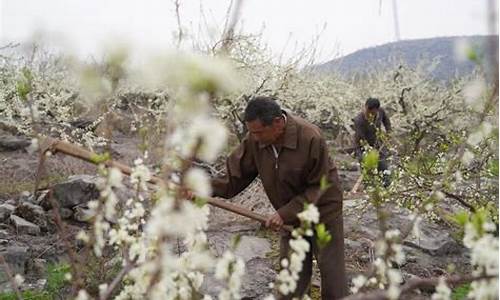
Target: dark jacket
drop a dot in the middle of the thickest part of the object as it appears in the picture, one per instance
(367, 131)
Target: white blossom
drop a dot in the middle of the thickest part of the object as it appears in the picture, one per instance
(462, 48)
(198, 181)
(416, 227)
(140, 175)
(83, 236)
(206, 133)
(33, 147)
(358, 282)
(82, 295)
(489, 227)
(392, 234)
(484, 259)
(115, 177)
(467, 157)
(484, 290)
(311, 214)
(473, 92)
(393, 292)
(398, 256)
(19, 279)
(484, 253)
(429, 206)
(102, 288)
(394, 276)
(299, 245)
(443, 292)
(68, 276)
(230, 269)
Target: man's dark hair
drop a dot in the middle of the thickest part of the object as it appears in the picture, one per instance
(372, 103)
(265, 109)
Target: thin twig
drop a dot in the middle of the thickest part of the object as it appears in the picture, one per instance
(75, 262)
(460, 200)
(126, 269)
(178, 17)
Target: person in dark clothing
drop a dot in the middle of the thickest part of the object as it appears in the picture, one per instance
(368, 131)
(290, 156)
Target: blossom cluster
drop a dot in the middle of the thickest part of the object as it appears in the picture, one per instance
(286, 281)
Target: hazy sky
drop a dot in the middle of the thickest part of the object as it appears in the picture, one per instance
(346, 25)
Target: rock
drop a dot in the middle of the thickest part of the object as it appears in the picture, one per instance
(8, 128)
(434, 247)
(32, 213)
(65, 213)
(36, 267)
(5, 211)
(255, 282)
(83, 214)
(42, 196)
(348, 179)
(433, 240)
(4, 233)
(350, 166)
(82, 123)
(350, 244)
(12, 202)
(25, 197)
(253, 250)
(24, 227)
(76, 190)
(251, 247)
(437, 246)
(15, 257)
(13, 143)
(259, 274)
(39, 285)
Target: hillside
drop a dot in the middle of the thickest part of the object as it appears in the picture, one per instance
(411, 52)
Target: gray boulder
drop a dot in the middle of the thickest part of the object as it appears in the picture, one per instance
(24, 227)
(32, 213)
(65, 213)
(5, 211)
(13, 143)
(76, 190)
(259, 274)
(15, 257)
(251, 247)
(36, 267)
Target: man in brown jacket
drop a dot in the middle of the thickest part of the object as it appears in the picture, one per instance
(291, 157)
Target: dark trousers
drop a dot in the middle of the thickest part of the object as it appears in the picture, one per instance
(331, 264)
(383, 165)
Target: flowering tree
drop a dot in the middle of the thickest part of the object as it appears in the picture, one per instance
(445, 145)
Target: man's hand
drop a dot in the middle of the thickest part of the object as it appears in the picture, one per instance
(187, 194)
(275, 222)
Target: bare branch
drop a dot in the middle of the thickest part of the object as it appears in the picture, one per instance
(179, 25)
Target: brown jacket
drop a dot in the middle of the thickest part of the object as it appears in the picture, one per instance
(292, 178)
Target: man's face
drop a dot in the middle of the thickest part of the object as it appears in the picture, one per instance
(265, 134)
(371, 114)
